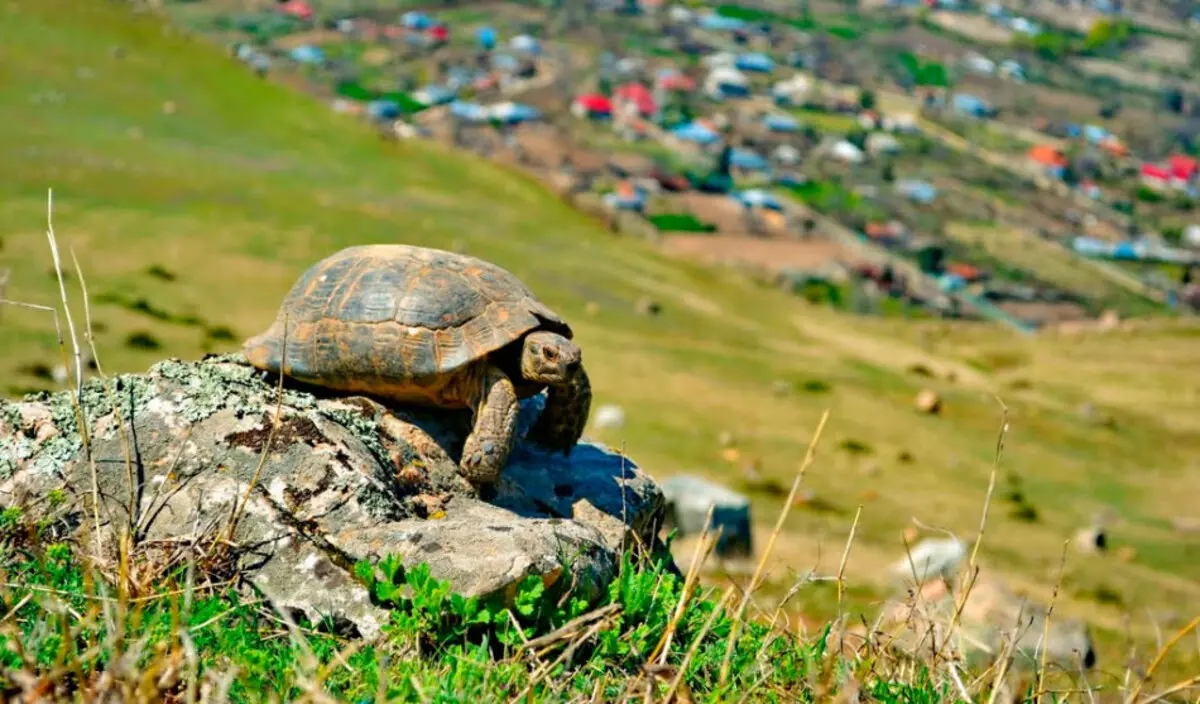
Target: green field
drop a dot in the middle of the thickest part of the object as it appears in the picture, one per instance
(194, 193)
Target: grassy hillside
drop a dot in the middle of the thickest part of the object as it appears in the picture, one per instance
(194, 193)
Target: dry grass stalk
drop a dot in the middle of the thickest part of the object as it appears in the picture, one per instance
(1159, 657)
(754, 581)
(704, 548)
(1044, 645)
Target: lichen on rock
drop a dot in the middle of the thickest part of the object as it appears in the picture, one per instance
(343, 479)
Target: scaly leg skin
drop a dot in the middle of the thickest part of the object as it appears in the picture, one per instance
(486, 449)
(565, 416)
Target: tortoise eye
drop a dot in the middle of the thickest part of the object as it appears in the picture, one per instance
(550, 353)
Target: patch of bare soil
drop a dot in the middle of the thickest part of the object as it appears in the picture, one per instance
(773, 255)
(1044, 312)
(977, 27)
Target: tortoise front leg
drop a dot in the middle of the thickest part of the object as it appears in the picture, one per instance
(566, 414)
(487, 447)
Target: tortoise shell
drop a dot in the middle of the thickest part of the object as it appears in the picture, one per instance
(399, 322)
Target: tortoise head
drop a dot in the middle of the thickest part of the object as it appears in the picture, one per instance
(549, 358)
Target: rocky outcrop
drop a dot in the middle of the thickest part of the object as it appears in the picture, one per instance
(339, 479)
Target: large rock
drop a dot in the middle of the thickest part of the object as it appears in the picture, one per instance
(344, 481)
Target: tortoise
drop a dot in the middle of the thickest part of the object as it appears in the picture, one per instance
(433, 328)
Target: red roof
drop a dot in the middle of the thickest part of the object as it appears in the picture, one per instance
(439, 32)
(639, 95)
(677, 82)
(297, 8)
(594, 102)
(1156, 172)
(1047, 155)
(966, 271)
(1183, 167)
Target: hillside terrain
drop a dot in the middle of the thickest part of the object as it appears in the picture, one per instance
(193, 193)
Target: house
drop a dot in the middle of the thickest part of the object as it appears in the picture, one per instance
(414, 20)
(626, 196)
(754, 62)
(486, 38)
(786, 154)
(882, 143)
(966, 272)
(1156, 177)
(438, 34)
(510, 113)
(868, 119)
(794, 91)
(748, 161)
(1091, 190)
(468, 112)
(697, 132)
(308, 54)
(674, 80)
(1183, 168)
(758, 198)
(970, 105)
(781, 123)
(904, 123)
(592, 106)
(979, 64)
(847, 152)
(726, 82)
(383, 110)
(917, 191)
(297, 8)
(714, 22)
(636, 99)
(525, 44)
(1012, 70)
(721, 59)
(1048, 159)
(890, 234)
(434, 95)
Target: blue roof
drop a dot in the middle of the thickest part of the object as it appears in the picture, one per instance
(634, 201)
(742, 159)
(486, 36)
(383, 109)
(308, 54)
(781, 123)
(526, 44)
(471, 112)
(754, 61)
(416, 20)
(758, 198)
(515, 112)
(918, 190)
(695, 132)
(713, 21)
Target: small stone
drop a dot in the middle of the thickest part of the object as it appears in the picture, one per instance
(609, 416)
(871, 468)
(929, 402)
(689, 499)
(1186, 524)
(779, 387)
(646, 306)
(1091, 541)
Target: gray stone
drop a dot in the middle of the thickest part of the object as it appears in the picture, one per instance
(345, 480)
(688, 501)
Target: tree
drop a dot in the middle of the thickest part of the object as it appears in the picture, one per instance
(866, 99)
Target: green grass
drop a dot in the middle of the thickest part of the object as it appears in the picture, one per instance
(245, 183)
(680, 222)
